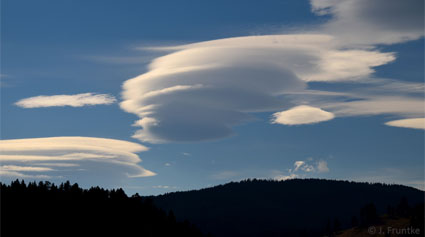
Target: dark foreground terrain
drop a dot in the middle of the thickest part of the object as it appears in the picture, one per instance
(307, 207)
(44, 209)
(298, 207)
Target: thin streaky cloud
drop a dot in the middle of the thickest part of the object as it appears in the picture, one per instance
(16, 174)
(77, 100)
(24, 168)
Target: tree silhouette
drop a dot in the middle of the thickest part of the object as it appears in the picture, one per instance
(45, 209)
(337, 225)
(354, 221)
(368, 215)
(402, 209)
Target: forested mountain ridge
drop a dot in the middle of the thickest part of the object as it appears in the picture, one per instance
(282, 208)
(299, 207)
(44, 209)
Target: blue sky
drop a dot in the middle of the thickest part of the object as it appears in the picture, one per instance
(222, 91)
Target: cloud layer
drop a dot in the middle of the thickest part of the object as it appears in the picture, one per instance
(200, 91)
(77, 100)
(71, 157)
(365, 22)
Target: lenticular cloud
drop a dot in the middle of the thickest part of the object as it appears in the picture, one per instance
(71, 157)
(200, 91)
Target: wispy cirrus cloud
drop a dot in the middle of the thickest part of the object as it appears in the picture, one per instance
(71, 158)
(77, 100)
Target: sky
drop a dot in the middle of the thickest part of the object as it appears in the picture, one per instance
(162, 96)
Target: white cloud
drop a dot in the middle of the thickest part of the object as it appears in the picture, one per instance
(72, 157)
(308, 168)
(285, 177)
(167, 164)
(200, 91)
(77, 100)
(304, 167)
(15, 174)
(24, 168)
(322, 166)
(375, 105)
(302, 114)
(417, 123)
(298, 164)
(365, 22)
(58, 164)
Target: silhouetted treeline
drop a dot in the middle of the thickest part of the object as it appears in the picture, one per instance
(402, 216)
(297, 207)
(415, 213)
(44, 209)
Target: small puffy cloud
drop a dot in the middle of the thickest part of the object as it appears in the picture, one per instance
(416, 123)
(77, 100)
(167, 164)
(298, 164)
(302, 114)
(71, 158)
(303, 165)
(307, 166)
(322, 166)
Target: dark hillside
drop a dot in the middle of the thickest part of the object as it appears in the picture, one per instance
(45, 209)
(276, 208)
